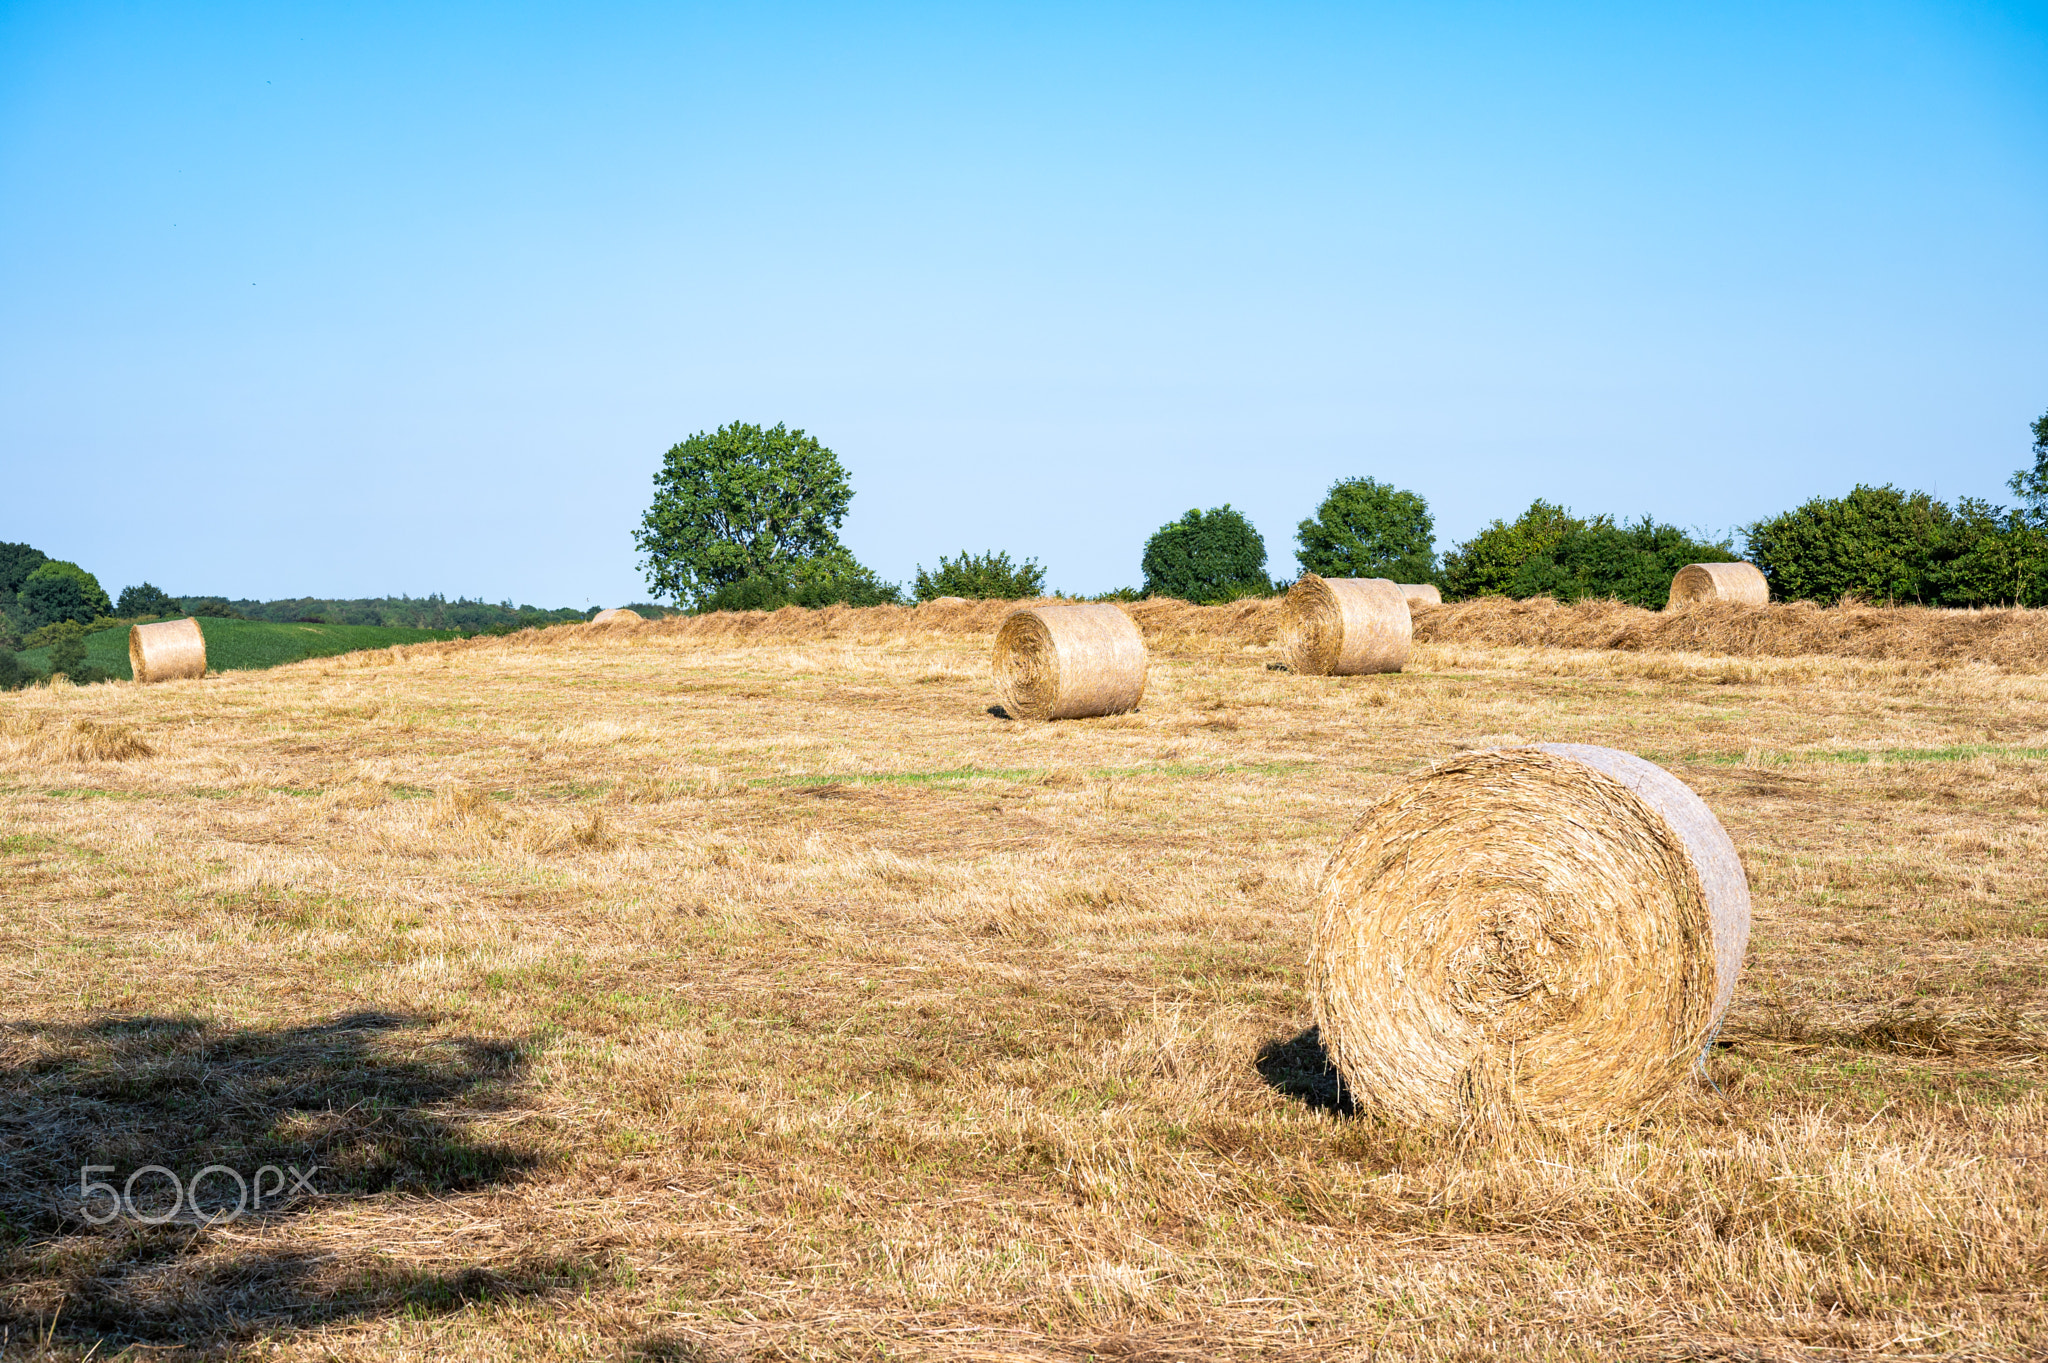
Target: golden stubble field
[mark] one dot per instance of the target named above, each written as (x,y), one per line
(641,994)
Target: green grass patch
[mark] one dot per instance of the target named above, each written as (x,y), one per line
(250,645)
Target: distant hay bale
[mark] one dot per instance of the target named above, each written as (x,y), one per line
(1345,626)
(1550,931)
(1425,592)
(170,651)
(1742,583)
(945,601)
(1069,661)
(617,615)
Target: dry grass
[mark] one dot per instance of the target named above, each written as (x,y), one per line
(2009,637)
(729,989)
(2013,638)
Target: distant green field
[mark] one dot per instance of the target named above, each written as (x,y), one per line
(250,645)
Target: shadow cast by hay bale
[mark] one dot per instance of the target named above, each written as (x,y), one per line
(1300,1068)
(362,1105)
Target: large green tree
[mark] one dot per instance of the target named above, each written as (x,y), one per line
(1206,557)
(17,561)
(147,600)
(1369,529)
(57,590)
(742,502)
(2030,485)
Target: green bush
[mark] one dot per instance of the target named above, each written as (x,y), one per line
(1990,556)
(837,580)
(13,676)
(67,653)
(1489,563)
(828,581)
(1547,551)
(47,635)
(57,590)
(982,577)
(755,593)
(1369,529)
(10,635)
(145,602)
(1207,557)
(1881,543)
(209,608)
(1885,544)
(51,633)
(66,641)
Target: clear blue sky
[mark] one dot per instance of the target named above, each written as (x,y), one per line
(354,300)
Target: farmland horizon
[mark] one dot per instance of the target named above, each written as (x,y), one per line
(410,303)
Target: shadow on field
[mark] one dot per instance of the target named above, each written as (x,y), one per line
(327,1112)
(1301,1068)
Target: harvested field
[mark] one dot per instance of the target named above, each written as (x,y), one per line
(738,987)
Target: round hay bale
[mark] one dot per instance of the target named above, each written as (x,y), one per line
(1069,661)
(1743,583)
(945,601)
(617,615)
(1550,931)
(1345,626)
(168,651)
(1425,592)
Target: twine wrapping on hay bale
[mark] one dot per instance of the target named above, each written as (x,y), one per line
(1742,583)
(170,651)
(1069,661)
(1345,626)
(1425,592)
(617,615)
(1551,931)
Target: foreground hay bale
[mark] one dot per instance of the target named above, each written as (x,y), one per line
(1550,931)
(1345,626)
(1069,661)
(1425,592)
(617,615)
(169,651)
(1742,583)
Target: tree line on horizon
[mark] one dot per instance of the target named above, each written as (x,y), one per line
(747,518)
